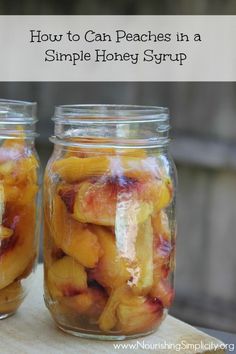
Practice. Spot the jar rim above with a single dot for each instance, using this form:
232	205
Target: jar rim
109	113
17	111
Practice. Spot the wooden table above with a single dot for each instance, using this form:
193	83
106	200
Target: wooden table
32	331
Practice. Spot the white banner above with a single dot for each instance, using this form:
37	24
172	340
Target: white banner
118	48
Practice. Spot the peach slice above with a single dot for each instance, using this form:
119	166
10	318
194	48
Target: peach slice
90	303
163	291
108	318
30	267
74	238
22	171
20	194
159	191
17	250
6	168
162	246
88	152
74	169
144	258
88	201
102	201
160	224
11	297
66	277
19	179
137	314
112	270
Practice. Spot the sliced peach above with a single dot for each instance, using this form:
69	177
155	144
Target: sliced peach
160	224
66	277
137	314
6	168
112	270
74	169
162	246
11	297
144	257
85	152
103	201
12	149
21	171
17	250
95	203
163	291
28	270
159	191
90	303
12	193
74	238
51	251
27	169
20	194
161	258
108	318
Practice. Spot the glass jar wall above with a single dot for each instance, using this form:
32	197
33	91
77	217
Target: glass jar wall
109	205
19	193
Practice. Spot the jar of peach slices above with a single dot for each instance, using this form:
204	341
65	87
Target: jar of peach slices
19	217
109	204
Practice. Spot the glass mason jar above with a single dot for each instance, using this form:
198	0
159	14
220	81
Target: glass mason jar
109	204
19	187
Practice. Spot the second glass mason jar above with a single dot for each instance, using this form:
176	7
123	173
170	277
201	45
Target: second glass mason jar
109	205
19	213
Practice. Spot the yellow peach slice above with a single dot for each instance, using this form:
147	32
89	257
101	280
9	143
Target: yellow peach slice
6	168
160	224
102	202
17	250
144	258
163	291
112	270
74	238
12	193
108	318
21	171
66	277
21	194
89	152
11	297
162	246
90	303
74	169
30	267
136	314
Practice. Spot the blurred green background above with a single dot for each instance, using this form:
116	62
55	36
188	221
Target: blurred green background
204	148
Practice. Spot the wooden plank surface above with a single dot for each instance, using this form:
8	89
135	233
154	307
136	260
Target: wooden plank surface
32	331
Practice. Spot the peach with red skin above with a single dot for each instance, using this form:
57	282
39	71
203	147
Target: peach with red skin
66	277
11	297
88	200
139	314
73	238
17	251
90	302
163	291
